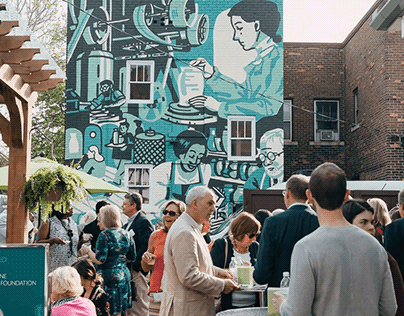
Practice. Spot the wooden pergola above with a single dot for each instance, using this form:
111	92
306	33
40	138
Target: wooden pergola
25	68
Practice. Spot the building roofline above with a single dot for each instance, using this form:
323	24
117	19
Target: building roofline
313	44
362	21
349	36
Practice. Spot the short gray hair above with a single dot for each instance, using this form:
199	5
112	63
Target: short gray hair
110	216
66	282
401	196
196	193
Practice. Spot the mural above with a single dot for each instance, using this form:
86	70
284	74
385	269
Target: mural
158	90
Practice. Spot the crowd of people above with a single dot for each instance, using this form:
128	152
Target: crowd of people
344	255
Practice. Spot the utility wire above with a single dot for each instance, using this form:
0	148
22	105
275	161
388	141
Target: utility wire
228	81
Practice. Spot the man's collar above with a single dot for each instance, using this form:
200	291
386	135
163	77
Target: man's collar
193	223
132	218
307	207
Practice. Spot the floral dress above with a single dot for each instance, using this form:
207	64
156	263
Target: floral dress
114	247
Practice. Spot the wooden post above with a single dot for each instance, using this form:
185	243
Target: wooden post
20	156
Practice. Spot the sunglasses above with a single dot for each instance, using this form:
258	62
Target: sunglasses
251	236
171	213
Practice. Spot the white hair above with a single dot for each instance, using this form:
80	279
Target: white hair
66	282
196	193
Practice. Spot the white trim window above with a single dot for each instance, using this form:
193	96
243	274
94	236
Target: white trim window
326	120
140	81
138	179
287	119
241	138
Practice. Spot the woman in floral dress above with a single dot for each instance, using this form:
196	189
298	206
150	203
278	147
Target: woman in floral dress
114	247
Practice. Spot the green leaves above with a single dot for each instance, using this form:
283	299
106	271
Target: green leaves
48	124
47	179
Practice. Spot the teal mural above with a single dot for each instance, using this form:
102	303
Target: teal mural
166	95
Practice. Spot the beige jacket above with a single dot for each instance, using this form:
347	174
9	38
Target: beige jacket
189	285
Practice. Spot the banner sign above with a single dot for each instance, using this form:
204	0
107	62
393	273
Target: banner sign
24	286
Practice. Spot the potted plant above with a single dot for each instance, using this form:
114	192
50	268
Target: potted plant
55	185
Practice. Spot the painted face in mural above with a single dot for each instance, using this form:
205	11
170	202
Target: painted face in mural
192	158
123	129
105	89
272	159
246	33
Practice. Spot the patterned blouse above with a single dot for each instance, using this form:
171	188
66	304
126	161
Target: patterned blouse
63	255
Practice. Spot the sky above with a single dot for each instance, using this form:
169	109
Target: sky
322	20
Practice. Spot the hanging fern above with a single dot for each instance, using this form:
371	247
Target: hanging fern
50	178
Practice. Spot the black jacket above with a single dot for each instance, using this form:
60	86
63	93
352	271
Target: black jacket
218	257
142	228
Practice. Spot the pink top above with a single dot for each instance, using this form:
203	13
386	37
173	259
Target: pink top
78	307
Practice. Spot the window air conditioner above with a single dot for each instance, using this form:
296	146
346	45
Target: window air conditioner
326	135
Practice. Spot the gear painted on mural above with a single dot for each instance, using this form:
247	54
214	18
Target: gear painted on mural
149	148
155	111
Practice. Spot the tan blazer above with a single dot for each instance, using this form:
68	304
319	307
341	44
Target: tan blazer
189	285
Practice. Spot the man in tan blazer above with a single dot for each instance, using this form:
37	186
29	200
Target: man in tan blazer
190	281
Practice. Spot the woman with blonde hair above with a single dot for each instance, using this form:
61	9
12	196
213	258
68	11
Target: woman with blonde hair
66	291
381	215
113	249
153	258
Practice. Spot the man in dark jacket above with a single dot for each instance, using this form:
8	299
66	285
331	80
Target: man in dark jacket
140	228
281	232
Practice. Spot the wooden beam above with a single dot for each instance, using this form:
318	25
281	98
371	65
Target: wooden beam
28	66
46	85
16	117
16	84
19	55
10	43
7	26
19	160
38	76
5	130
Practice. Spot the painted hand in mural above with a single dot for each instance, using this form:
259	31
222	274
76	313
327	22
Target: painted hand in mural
205	101
203	65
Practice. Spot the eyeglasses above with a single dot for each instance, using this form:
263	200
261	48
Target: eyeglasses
251	236
270	155
171	213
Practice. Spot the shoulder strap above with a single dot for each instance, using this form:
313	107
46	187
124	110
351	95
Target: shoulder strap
225	253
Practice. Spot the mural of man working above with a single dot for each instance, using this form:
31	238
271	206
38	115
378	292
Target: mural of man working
109	99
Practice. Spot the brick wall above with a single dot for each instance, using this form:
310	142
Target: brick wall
311	71
374	65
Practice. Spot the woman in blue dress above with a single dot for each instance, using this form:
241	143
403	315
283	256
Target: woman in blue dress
114	248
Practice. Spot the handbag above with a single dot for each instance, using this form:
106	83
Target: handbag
218	301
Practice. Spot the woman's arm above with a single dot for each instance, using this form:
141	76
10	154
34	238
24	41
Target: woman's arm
149	256
91	254
43	233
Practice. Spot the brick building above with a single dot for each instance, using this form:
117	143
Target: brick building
140	117
359	81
